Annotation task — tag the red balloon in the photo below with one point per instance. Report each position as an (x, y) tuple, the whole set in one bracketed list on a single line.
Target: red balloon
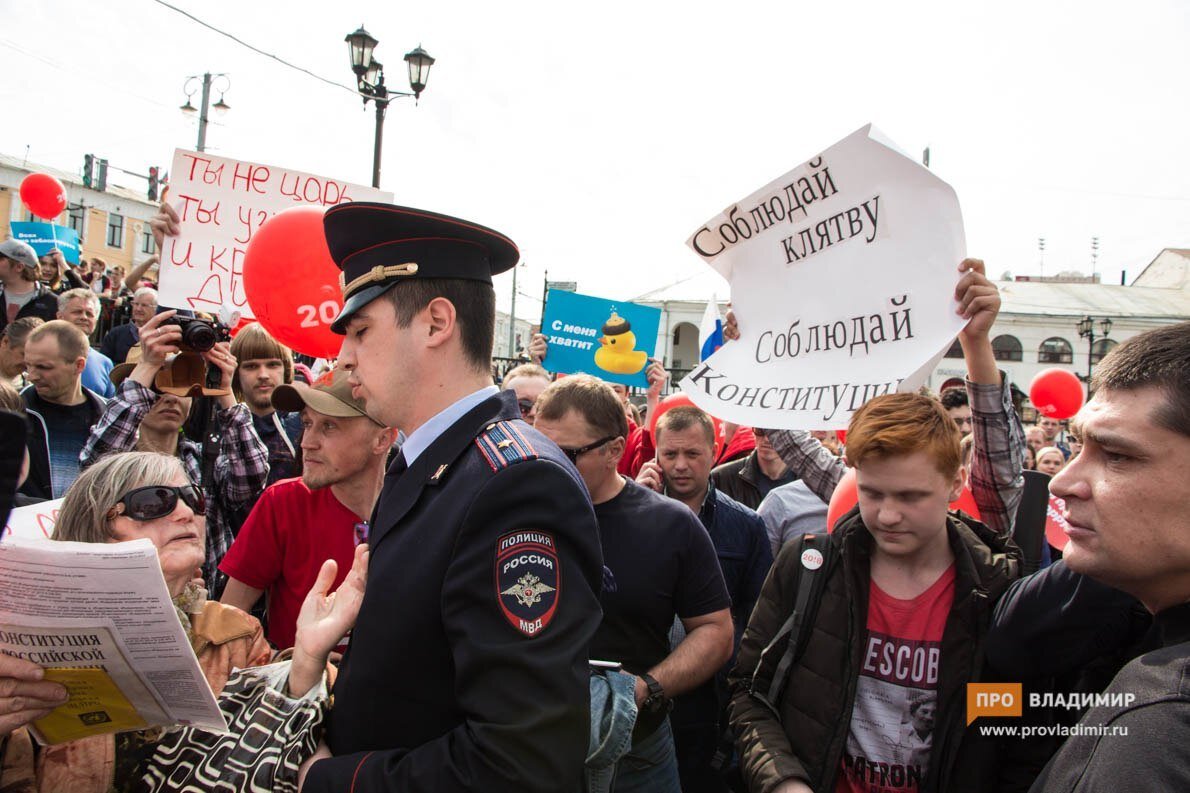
[(292, 283), (1056, 393), (846, 496), (679, 399), (43, 195)]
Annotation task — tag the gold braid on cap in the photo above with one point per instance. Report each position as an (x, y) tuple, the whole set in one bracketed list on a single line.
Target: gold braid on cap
[(375, 275)]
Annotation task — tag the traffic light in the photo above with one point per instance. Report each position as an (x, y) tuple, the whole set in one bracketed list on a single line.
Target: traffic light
[(101, 177), (88, 169), (153, 182)]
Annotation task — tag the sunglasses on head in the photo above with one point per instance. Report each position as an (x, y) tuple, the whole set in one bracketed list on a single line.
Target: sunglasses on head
[(574, 453), (157, 501)]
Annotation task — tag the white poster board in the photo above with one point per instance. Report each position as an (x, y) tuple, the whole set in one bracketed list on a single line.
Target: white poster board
[(221, 203), (842, 278), (34, 522)]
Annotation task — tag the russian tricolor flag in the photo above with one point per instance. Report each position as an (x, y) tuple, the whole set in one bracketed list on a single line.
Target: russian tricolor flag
[(710, 330)]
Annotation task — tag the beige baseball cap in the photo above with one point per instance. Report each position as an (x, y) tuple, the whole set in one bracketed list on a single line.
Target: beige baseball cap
[(330, 395)]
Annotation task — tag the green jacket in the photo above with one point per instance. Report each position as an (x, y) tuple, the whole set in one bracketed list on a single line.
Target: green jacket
[(808, 740)]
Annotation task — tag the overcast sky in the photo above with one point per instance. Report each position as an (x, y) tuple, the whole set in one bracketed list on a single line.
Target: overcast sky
[(600, 138)]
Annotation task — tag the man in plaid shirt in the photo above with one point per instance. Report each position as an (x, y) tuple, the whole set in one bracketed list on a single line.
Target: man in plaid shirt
[(141, 417)]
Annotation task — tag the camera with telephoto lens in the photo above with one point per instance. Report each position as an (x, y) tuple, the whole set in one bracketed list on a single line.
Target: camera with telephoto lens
[(199, 335)]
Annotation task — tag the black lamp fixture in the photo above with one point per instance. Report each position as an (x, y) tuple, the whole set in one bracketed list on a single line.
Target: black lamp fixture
[(419, 69), (360, 43), (369, 75), (1086, 330), (205, 83)]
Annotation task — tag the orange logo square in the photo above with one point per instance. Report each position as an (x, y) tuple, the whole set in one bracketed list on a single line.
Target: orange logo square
[(993, 699)]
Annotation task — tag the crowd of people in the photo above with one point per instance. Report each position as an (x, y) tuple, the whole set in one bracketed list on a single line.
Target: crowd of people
[(672, 611)]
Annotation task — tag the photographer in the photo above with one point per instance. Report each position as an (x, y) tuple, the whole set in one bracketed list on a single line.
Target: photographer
[(142, 418)]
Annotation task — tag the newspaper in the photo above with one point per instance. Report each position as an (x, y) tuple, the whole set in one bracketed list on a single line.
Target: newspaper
[(100, 620)]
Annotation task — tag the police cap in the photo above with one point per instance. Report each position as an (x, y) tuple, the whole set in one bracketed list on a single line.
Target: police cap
[(376, 246)]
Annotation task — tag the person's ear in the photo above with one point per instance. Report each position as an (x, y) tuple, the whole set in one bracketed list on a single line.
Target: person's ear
[(384, 441), (440, 320), (960, 481)]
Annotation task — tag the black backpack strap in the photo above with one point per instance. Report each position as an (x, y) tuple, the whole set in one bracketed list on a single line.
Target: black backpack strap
[(816, 555), (810, 582)]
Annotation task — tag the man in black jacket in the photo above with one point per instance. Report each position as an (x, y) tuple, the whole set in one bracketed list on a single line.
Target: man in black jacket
[(61, 410), (1125, 497), (749, 480)]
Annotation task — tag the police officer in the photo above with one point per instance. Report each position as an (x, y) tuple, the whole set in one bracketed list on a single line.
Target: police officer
[(467, 668)]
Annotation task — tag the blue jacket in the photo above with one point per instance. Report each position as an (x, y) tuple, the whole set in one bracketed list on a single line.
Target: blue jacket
[(742, 545)]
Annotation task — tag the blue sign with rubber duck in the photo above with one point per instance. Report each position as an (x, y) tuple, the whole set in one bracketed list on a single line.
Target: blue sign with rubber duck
[(609, 339)]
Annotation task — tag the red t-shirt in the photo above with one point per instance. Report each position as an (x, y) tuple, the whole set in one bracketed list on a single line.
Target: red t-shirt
[(290, 532), (896, 699)]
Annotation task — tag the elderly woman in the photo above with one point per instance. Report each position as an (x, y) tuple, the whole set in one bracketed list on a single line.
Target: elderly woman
[(147, 495)]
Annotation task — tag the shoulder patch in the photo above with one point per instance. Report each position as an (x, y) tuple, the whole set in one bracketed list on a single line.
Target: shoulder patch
[(502, 445), (528, 579)]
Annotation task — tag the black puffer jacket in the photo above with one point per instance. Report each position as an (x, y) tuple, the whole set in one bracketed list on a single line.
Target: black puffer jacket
[(807, 742)]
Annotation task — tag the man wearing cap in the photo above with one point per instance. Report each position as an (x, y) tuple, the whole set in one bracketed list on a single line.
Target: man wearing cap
[(299, 523), (467, 668), (21, 294)]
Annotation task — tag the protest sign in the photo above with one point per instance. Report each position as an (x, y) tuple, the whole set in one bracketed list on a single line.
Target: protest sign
[(842, 278), (612, 340), (44, 237), (35, 521), (221, 203)]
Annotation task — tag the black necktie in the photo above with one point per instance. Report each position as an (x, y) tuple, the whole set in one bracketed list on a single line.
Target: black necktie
[(398, 466)]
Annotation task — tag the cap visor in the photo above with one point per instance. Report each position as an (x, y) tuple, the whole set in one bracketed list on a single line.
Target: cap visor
[(293, 397), (356, 302)]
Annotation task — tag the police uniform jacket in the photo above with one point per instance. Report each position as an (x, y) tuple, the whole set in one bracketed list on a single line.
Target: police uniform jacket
[(467, 667)]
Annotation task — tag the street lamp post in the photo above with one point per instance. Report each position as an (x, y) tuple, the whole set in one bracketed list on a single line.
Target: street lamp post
[(1086, 329), (221, 107), (369, 75)]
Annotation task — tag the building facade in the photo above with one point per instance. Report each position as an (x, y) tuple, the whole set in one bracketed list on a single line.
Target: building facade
[(112, 224)]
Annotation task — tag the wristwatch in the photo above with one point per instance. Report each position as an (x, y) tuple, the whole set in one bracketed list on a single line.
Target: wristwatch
[(656, 702)]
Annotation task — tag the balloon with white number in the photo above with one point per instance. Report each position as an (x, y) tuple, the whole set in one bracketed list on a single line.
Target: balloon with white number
[(292, 282)]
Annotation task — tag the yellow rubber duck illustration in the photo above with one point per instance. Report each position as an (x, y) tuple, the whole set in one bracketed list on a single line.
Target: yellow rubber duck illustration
[(616, 353)]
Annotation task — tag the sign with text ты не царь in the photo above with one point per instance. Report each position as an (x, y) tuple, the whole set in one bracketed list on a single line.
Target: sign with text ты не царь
[(221, 203)]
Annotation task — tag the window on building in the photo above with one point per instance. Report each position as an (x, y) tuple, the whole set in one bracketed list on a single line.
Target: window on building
[(115, 230), (1055, 350), (955, 351), (78, 216), (1101, 348), (1007, 348), (147, 245)]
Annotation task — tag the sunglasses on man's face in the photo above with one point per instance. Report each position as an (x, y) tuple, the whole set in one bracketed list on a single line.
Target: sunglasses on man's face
[(157, 501), (526, 406), (574, 453)]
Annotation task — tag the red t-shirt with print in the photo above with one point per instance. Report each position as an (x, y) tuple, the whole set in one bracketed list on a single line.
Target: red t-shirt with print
[(290, 532), (896, 700)]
